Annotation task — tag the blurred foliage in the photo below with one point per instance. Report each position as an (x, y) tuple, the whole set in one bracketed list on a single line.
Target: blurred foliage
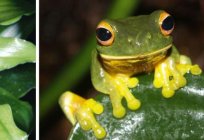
[(17, 69)]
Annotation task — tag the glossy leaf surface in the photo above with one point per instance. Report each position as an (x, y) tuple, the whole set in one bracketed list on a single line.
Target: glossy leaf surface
[(180, 117), (14, 51), (8, 128), (18, 80)]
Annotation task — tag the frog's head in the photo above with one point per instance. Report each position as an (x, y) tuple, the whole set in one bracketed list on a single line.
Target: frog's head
[(135, 36)]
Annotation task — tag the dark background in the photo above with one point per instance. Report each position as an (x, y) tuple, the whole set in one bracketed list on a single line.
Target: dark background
[(66, 24)]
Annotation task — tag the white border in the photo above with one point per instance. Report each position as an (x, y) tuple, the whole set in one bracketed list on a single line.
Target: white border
[(37, 71)]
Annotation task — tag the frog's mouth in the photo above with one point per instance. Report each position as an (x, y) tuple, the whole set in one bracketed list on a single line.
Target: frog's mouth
[(133, 64), (137, 57)]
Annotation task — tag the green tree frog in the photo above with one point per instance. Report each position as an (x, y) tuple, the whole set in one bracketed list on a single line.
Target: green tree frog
[(125, 48)]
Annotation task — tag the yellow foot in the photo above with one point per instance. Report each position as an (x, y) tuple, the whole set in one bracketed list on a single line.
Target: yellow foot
[(185, 66), (78, 109), (169, 75), (121, 84)]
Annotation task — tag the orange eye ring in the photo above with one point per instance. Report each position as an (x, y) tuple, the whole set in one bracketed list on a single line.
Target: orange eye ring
[(104, 34), (166, 23)]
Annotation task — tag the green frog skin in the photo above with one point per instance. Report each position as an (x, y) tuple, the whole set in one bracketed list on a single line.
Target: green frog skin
[(125, 48)]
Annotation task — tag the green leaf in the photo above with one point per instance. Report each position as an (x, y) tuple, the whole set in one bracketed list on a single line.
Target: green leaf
[(22, 111), (12, 10), (8, 128), (15, 51), (18, 80), (20, 29), (180, 117)]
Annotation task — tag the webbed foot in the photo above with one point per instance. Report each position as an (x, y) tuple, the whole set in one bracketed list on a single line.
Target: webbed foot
[(121, 84), (78, 109), (170, 75)]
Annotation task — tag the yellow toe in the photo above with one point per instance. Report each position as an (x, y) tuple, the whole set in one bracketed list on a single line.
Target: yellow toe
[(167, 93), (98, 108), (119, 112), (99, 132), (86, 125), (134, 104), (196, 70), (157, 83), (132, 82)]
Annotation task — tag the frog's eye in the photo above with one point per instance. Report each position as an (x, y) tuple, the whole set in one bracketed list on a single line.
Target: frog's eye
[(104, 34), (166, 23)]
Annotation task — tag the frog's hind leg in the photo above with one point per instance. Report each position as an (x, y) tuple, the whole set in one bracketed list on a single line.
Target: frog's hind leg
[(79, 109)]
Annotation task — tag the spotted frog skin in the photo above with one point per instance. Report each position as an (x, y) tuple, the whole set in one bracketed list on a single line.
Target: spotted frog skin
[(125, 48)]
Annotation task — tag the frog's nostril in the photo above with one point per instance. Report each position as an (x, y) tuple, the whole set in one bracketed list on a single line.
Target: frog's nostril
[(130, 41)]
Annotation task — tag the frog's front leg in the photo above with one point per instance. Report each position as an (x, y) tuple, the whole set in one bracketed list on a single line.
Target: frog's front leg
[(79, 109), (119, 85), (169, 74), (115, 85)]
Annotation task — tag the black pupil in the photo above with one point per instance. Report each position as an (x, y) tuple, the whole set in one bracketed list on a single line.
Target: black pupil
[(103, 34), (168, 23)]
